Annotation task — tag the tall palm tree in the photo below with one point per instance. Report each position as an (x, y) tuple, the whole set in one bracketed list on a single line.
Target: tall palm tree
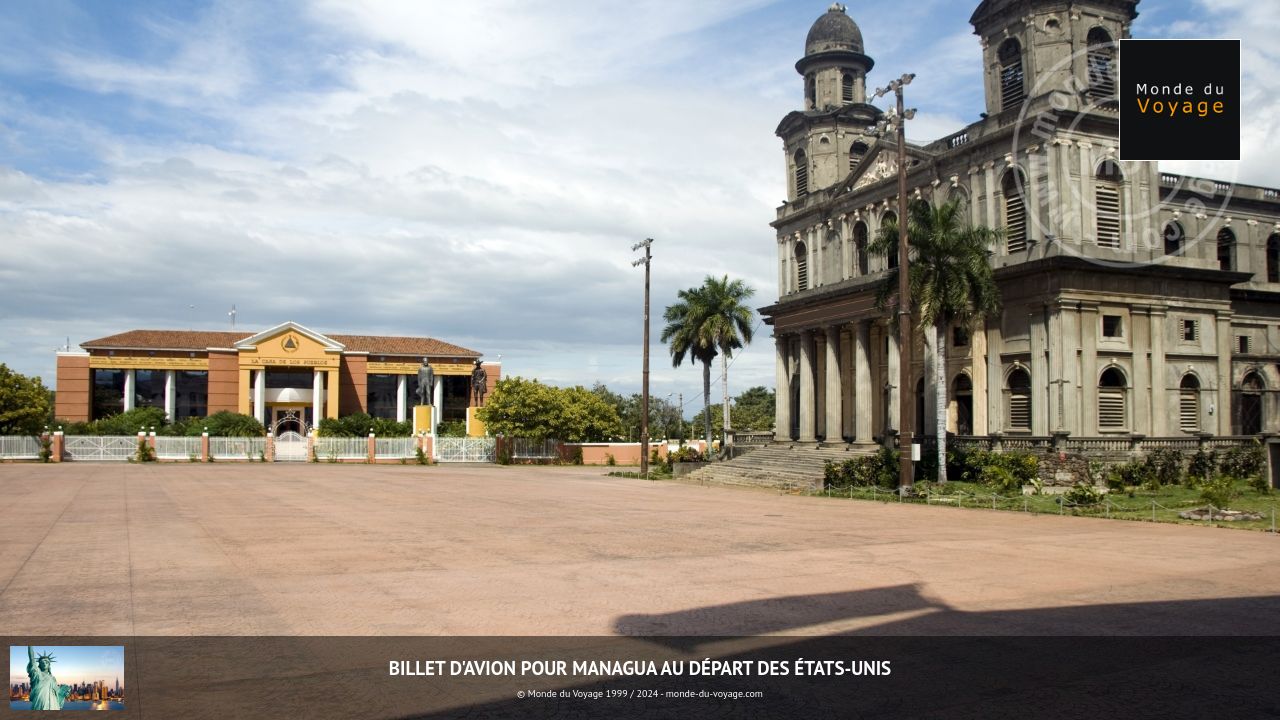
[(951, 282), (710, 320)]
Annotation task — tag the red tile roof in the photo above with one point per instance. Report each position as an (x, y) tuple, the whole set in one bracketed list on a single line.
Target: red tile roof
[(204, 339)]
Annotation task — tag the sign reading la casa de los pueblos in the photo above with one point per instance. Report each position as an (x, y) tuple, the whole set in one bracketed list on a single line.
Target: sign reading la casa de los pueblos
[(1179, 99)]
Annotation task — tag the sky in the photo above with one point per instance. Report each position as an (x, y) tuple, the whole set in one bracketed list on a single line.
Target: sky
[(476, 172), (72, 664)]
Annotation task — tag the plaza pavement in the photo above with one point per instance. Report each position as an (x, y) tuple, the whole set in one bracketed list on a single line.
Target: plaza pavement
[(328, 549)]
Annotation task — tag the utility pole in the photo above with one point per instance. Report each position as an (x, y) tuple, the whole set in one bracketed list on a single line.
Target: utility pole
[(644, 382), (905, 434)]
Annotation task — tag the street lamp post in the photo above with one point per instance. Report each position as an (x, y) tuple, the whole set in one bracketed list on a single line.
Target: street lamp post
[(905, 435), (644, 382)]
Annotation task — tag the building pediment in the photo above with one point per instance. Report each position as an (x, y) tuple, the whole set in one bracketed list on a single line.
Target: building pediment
[(881, 163), (292, 337)]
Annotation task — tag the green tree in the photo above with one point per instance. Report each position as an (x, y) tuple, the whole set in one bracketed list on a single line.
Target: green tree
[(24, 403), (754, 409), (951, 283), (706, 321), (529, 409)]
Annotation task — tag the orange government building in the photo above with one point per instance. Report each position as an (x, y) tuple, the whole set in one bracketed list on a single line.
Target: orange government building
[(287, 371)]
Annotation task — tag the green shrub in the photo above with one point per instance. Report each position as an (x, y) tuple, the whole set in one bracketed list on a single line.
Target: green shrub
[(229, 424), (1016, 468), (46, 448), (1219, 491), (144, 453), (1202, 466), (420, 456), (1135, 473), (125, 423), (1001, 480), (1243, 461), (360, 424), (1260, 484), (686, 454), (1082, 494), (610, 460), (1166, 465), (452, 428), (865, 471)]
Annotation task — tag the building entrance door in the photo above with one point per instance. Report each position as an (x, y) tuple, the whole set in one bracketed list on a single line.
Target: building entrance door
[(290, 419)]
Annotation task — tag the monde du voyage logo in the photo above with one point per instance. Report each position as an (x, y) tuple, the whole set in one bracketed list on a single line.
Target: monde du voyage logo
[(1179, 99)]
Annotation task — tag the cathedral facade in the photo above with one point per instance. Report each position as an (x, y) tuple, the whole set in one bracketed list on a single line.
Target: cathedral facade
[(1134, 302)]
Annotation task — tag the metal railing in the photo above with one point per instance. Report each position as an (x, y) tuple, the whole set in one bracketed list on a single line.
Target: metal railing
[(116, 448), (19, 447), (177, 448), (237, 448), (526, 449), (398, 447), (342, 448), (466, 449)]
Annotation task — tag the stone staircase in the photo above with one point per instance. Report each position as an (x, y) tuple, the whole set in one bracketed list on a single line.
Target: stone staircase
[(782, 465)]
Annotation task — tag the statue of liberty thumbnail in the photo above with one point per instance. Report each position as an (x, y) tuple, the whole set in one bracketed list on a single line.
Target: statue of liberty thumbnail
[(46, 693)]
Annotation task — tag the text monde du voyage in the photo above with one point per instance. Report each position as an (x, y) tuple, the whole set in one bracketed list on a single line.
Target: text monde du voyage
[(1180, 100)]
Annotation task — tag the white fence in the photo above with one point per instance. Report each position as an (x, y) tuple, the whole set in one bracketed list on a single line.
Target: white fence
[(237, 448), (177, 448), (19, 447), (290, 447), (466, 449), (101, 447), (398, 447), (342, 448)]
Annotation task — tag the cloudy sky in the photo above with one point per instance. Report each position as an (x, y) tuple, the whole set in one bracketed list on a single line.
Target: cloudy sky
[(476, 172)]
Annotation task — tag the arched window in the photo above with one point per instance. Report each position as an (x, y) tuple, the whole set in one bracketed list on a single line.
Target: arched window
[(1101, 59), (857, 151), (1019, 405), (1250, 404), (962, 391), (1012, 91), (1107, 202), (1111, 396), (802, 173), (1189, 404), (860, 247), (892, 255), (810, 93), (1173, 237), (1226, 249), (846, 87), (1273, 258), (802, 267), (1015, 212)]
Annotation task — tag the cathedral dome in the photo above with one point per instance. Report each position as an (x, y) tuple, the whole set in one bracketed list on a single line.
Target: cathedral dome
[(833, 31)]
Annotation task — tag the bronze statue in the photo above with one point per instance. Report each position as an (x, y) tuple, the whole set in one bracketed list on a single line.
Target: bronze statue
[(426, 383), (479, 380)]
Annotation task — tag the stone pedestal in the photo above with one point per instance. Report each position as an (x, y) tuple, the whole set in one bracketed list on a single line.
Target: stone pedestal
[(422, 420), (475, 426)]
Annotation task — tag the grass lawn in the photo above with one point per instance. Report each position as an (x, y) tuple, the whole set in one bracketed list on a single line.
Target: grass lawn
[(1134, 504)]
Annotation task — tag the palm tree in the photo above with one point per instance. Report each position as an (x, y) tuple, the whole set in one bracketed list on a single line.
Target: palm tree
[(707, 321), (951, 282)]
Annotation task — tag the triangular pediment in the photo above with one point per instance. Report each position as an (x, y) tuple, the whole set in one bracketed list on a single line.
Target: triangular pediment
[(292, 337), (881, 163)]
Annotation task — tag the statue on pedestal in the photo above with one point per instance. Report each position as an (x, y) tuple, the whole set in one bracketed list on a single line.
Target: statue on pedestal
[(46, 693), (426, 383), (479, 383)]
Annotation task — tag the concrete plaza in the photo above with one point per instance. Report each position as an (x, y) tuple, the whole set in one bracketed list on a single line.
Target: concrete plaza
[(329, 549)]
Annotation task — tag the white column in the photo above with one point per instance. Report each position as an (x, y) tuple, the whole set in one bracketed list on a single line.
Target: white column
[(130, 389), (807, 394), (402, 397), (862, 382), (834, 431), (317, 397), (260, 395), (892, 377), (437, 401), (170, 394), (782, 390)]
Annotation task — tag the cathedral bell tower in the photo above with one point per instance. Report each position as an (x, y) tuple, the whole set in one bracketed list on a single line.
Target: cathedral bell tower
[(825, 141)]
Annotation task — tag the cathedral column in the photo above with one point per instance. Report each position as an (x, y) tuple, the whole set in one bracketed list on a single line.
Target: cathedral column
[(782, 267), (1037, 323), (996, 421), (833, 429), (846, 260), (782, 389), (892, 376), (170, 395), (1223, 338), (1057, 393), (1088, 224), (1089, 369), (862, 382), (1143, 386), (989, 175), (807, 409), (1035, 224), (1160, 425), (975, 217)]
